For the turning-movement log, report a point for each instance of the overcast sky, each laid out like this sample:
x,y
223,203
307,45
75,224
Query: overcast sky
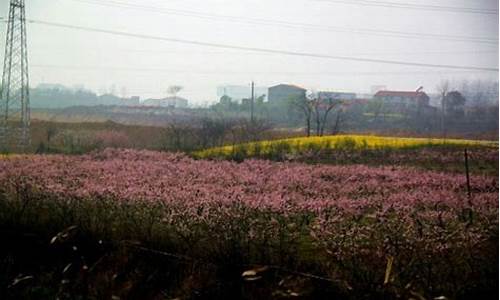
x,y
147,67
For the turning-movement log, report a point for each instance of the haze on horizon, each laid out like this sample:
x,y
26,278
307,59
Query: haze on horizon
x,y
146,67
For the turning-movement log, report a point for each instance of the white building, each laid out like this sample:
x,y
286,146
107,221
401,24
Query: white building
x,y
177,102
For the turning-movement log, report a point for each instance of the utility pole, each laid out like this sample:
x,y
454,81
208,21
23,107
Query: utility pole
x,y
443,110
14,98
252,102
443,89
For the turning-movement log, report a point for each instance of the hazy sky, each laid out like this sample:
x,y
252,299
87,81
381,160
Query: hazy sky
x,y
147,67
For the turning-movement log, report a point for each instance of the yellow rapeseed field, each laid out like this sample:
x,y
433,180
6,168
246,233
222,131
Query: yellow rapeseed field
x,y
354,142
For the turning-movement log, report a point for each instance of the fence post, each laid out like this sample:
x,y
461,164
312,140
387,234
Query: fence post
x,y
469,193
467,172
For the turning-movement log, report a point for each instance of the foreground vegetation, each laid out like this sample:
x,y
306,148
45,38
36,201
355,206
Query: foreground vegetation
x,y
84,137
149,225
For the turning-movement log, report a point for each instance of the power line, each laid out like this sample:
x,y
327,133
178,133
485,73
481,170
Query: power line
x,y
204,52
255,49
294,25
414,6
223,72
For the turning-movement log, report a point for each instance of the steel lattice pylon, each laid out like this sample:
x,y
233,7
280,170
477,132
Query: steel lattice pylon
x,y
14,98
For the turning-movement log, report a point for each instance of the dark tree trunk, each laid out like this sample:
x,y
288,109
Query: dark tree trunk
x,y
308,127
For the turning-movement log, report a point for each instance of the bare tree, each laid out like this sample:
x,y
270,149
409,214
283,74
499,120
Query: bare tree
x,y
254,130
322,107
377,106
212,131
455,103
339,119
479,93
177,135
305,106
51,132
174,90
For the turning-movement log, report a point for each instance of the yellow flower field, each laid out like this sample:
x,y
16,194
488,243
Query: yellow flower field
x,y
352,142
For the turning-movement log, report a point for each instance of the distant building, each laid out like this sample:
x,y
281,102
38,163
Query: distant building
x,y
403,98
239,92
132,101
336,96
180,102
365,95
177,102
281,93
357,101
52,86
403,102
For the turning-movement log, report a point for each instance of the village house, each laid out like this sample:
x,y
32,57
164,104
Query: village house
x,y
403,102
403,99
282,93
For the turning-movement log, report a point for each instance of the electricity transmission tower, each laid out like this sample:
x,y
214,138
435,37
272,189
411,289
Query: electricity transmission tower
x,y
14,97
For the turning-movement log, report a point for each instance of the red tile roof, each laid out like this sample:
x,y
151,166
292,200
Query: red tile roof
x,y
399,94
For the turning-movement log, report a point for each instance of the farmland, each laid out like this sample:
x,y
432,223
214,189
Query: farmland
x,y
350,142
163,225
424,153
